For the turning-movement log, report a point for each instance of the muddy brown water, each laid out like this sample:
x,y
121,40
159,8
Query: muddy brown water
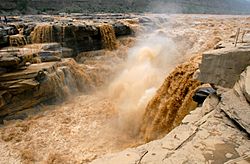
x,y
87,126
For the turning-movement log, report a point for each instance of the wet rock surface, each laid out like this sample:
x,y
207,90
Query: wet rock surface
x,y
78,37
12,59
37,74
72,31
19,58
5,32
38,83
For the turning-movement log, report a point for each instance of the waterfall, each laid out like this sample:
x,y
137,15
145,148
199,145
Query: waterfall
x,y
108,37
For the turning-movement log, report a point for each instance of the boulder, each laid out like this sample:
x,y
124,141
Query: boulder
x,y
224,66
27,29
81,38
5,32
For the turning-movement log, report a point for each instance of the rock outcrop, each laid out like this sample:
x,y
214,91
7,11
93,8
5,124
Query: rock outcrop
x,y
235,103
40,83
39,73
5,32
35,74
79,37
17,58
229,67
13,59
77,32
224,66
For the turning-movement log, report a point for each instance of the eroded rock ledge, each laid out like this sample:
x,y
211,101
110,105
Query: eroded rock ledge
x,y
33,64
40,83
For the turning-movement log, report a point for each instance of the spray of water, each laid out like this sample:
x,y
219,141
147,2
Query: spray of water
x,y
148,63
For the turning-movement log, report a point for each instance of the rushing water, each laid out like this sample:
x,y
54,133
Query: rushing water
x,y
118,115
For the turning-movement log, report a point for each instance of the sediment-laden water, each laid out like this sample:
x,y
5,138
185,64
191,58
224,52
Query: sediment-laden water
x,y
138,92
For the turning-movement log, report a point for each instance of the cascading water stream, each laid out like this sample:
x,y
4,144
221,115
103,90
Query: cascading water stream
x,y
42,34
108,36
